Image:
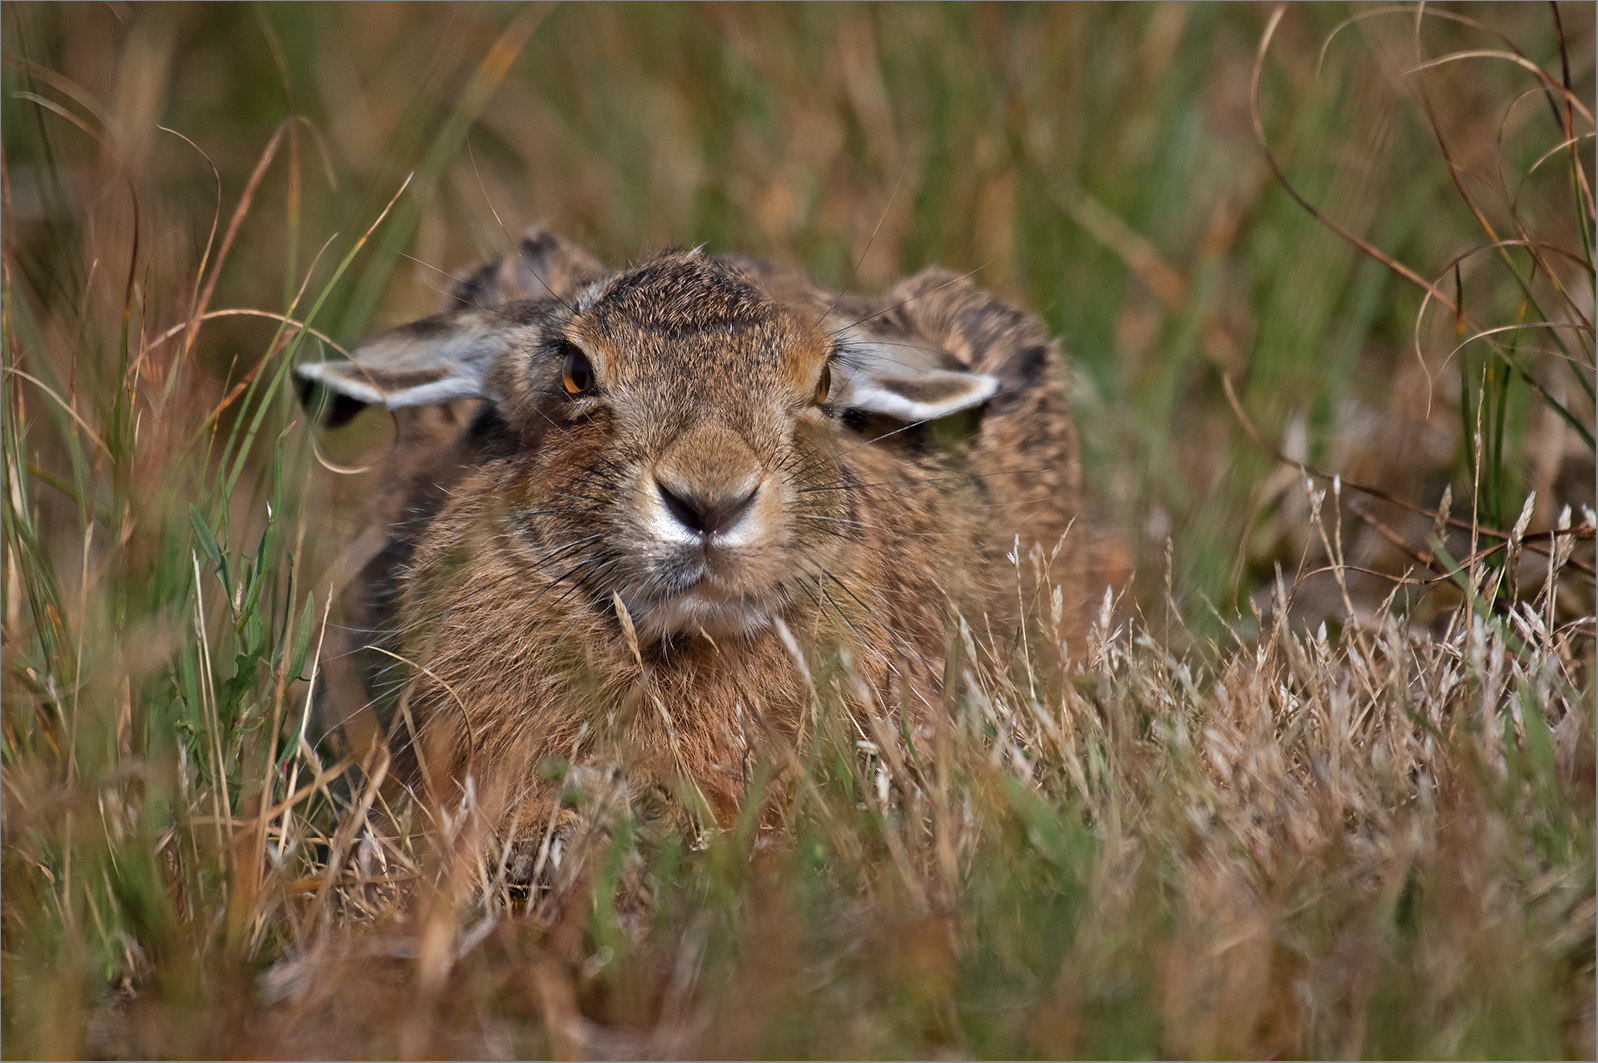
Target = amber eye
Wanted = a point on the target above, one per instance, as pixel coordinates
(575, 372)
(824, 384)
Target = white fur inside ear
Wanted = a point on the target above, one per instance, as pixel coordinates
(446, 390)
(337, 375)
(908, 381)
(924, 397)
(430, 362)
(376, 387)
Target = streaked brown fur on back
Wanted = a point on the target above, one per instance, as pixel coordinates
(627, 576)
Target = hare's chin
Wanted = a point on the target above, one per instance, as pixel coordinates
(692, 613)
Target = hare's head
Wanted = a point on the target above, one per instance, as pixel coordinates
(673, 433)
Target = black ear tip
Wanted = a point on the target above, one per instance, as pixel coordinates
(327, 406)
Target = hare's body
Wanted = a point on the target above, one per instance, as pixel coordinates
(682, 486)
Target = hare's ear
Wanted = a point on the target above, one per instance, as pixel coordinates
(541, 266)
(438, 359)
(907, 381)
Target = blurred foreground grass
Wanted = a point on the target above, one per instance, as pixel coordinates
(1292, 806)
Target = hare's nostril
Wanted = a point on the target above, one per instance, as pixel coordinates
(705, 516)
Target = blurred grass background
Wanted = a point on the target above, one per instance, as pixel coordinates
(1096, 163)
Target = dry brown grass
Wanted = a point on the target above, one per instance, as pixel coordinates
(1373, 842)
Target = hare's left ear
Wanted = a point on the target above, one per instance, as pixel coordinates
(907, 381)
(434, 360)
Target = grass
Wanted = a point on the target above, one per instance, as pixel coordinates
(1326, 784)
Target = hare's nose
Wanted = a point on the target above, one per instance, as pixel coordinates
(705, 515)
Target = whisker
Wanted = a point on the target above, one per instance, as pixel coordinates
(951, 478)
(862, 259)
(484, 189)
(907, 302)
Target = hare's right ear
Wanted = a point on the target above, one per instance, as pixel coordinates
(437, 359)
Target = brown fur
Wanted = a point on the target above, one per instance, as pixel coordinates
(516, 538)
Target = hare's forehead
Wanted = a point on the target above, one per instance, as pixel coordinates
(765, 355)
(685, 315)
(777, 352)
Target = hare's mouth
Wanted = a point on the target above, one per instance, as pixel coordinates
(706, 589)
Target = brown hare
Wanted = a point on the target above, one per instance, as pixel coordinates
(629, 508)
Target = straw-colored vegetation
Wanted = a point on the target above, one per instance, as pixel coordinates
(1325, 783)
